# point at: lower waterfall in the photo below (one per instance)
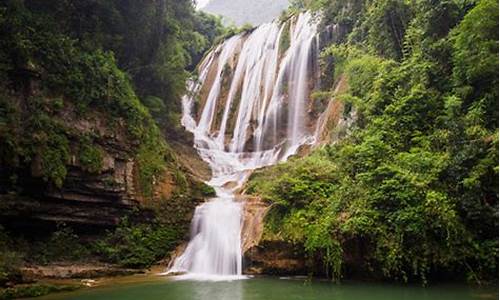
(253, 97)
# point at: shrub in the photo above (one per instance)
(62, 245)
(138, 245)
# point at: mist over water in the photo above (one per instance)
(255, 97)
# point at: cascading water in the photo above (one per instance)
(254, 90)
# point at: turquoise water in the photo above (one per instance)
(271, 289)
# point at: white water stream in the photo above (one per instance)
(254, 99)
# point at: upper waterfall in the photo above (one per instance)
(248, 108)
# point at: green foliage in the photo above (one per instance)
(121, 63)
(88, 79)
(204, 189)
(62, 245)
(47, 145)
(321, 100)
(475, 69)
(383, 27)
(90, 155)
(139, 245)
(234, 30)
(157, 108)
(297, 191)
(154, 42)
(151, 161)
(474, 64)
(134, 245)
(416, 182)
(361, 72)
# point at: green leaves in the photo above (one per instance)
(151, 159)
(479, 28)
(90, 155)
(137, 245)
(46, 146)
(417, 180)
(475, 56)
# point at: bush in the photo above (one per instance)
(138, 245)
(62, 245)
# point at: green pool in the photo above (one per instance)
(162, 288)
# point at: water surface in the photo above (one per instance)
(163, 288)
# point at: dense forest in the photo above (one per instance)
(412, 191)
(128, 59)
(94, 165)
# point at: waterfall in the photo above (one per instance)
(253, 92)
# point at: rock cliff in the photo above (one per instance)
(92, 196)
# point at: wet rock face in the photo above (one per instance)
(85, 199)
(275, 258)
(253, 222)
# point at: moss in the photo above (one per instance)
(320, 101)
(110, 182)
(203, 189)
(180, 179)
(284, 42)
(151, 159)
(90, 155)
(207, 190)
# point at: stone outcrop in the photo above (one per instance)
(98, 199)
(253, 222)
(67, 271)
(265, 256)
(275, 258)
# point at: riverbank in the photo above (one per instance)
(38, 280)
